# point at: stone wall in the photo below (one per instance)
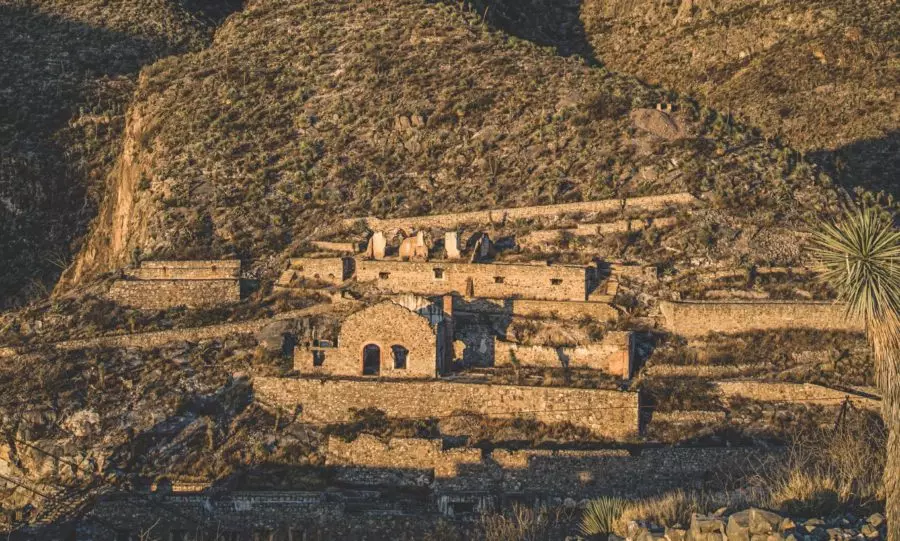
(547, 282)
(607, 206)
(551, 238)
(609, 414)
(613, 355)
(384, 326)
(562, 473)
(164, 294)
(693, 319)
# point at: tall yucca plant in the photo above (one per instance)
(860, 254)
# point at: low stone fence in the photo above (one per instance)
(609, 414)
(551, 238)
(449, 221)
(147, 340)
(692, 319)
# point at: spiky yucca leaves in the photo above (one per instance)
(860, 254)
(600, 515)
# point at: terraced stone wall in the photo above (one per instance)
(694, 319)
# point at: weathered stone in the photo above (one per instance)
(871, 532)
(274, 337)
(738, 528)
(451, 245)
(764, 522)
(876, 520)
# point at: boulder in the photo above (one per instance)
(706, 528)
(657, 123)
(764, 522)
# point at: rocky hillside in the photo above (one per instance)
(822, 75)
(300, 113)
(67, 73)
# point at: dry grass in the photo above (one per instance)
(523, 523)
(829, 469)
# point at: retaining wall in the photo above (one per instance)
(546, 282)
(609, 414)
(449, 221)
(693, 319)
(163, 294)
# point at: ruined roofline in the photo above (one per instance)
(647, 203)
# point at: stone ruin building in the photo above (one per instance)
(427, 316)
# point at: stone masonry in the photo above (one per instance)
(159, 285)
(609, 414)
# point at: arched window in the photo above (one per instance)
(399, 354)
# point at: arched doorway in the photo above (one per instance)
(371, 360)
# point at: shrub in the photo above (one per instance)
(600, 515)
(521, 524)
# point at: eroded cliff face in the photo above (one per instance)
(121, 224)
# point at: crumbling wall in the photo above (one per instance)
(606, 206)
(613, 355)
(609, 414)
(700, 318)
(164, 294)
(549, 282)
(333, 270)
(383, 325)
(186, 270)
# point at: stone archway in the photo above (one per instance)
(371, 360)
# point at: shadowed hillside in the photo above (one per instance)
(66, 74)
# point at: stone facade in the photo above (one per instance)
(547, 282)
(609, 414)
(613, 355)
(387, 339)
(693, 319)
(450, 221)
(159, 285)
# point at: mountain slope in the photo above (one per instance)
(301, 113)
(66, 74)
(821, 74)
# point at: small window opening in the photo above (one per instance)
(400, 354)
(438, 273)
(556, 281)
(384, 275)
(498, 279)
(318, 358)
